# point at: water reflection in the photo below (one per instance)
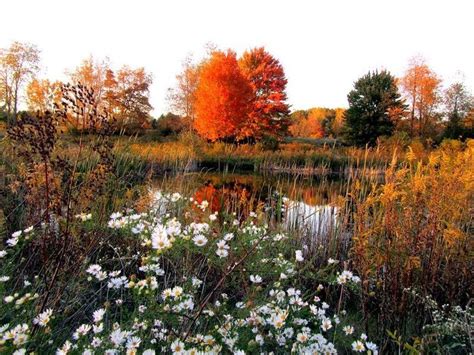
(303, 203)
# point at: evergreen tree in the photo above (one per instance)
(372, 105)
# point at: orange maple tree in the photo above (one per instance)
(223, 97)
(269, 114)
(421, 88)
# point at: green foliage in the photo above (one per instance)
(374, 98)
(170, 124)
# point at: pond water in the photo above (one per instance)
(310, 205)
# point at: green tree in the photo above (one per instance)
(372, 105)
(458, 103)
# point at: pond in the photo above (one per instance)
(310, 205)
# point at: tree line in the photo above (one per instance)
(230, 98)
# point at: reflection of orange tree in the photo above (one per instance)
(229, 197)
(210, 194)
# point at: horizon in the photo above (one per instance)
(321, 61)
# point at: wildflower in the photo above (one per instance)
(96, 342)
(140, 227)
(65, 348)
(81, 331)
(222, 253)
(3, 253)
(259, 339)
(141, 309)
(213, 217)
(348, 330)
(175, 197)
(98, 315)
(302, 337)
(20, 338)
(16, 234)
(344, 277)
(12, 242)
(332, 261)
(94, 269)
(84, 216)
(371, 346)
(21, 351)
(28, 230)
(177, 291)
(177, 347)
(133, 343)
(326, 324)
(4, 278)
(363, 336)
(256, 279)
(118, 337)
(159, 238)
(98, 328)
(117, 282)
(149, 352)
(358, 346)
(196, 282)
(8, 299)
(200, 240)
(43, 318)
(299, 255)
(228, 237)
(222, 249)
(115, 215)
(166, 293)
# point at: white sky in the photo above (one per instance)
(324, 46)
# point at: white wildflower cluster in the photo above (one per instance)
(222, 249)
(96, 271)
(347, 276)
(362, 345)
(173, 302)
(83, 217)
(17, 335)
(43, 318)
(15, 238)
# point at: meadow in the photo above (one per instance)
(129, 245)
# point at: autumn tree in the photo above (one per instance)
(298, 123)
(317, 122)
(126, 94)
(92, 73)
(269, 114)
(223, 97)
(42, 94)
(18, 64)
(337, 124)
(420, 86)
(182, 98)
(458, 102)
(374, 97)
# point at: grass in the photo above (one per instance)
(294, 156)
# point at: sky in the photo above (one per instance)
(324, 46)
